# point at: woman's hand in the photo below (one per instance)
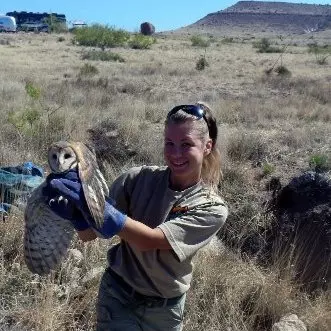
(62, 206)
(70, 188)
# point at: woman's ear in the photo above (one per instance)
(208, 147)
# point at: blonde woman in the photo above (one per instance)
(163, 216)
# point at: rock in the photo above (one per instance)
(289, 322)
(147, 29)
(301, 233)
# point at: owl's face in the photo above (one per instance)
(61, 157)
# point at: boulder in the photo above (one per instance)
(147, 29)
(289, 322)
(300, 238)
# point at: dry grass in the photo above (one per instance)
(264, 119)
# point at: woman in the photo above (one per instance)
(163, 216)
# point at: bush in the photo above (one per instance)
(320, 162)
(36, 125)
(268, 168)
(102, 56)
(282, 71)
(55, 25)
(321, 52)
(88, 70)
(247, 147)
(201, 63)
(264, 46)
(198, 41)
(227, 40)
(100, 36)
(139, 41)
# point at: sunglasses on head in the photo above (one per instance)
(194, 110)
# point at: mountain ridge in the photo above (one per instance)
(271, 17)
(278, 7)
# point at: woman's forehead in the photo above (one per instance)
(180, 129)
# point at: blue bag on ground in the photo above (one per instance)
(16, 185)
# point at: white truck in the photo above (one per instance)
(7, 23)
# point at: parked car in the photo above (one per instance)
(7, 23)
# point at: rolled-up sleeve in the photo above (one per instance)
(189, 232)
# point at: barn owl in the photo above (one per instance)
(48, 236)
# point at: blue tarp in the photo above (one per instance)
(17, 183)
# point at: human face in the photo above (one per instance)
(184, 152)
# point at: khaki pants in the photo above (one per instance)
(118, 310)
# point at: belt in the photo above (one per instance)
(149, 301)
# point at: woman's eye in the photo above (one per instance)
(168, 143)
(187, 145)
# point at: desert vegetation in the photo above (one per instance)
(271, 125)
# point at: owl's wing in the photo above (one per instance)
(93, 183)
(47, 236)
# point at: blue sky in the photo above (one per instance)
(128, 14)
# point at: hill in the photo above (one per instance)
(270, 17)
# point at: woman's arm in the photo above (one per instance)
(142, 236)
(137, 234)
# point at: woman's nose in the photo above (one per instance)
(177, 151)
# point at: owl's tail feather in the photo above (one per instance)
(47, 237)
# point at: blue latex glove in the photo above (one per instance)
(66, 209)
(69, 186)
(63, 207)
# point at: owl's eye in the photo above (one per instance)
(67, 155)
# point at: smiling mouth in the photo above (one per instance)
(178, 165)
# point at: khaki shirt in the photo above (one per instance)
(189, 220)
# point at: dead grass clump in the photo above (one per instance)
(5, 42)
(95, 55)
(99, 83)
(149, 70)
(317, 89)
(246, 147)
(235, 295)
(317, 313)
(88, 70)
(11, 231)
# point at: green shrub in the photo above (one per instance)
(139, 41)
(268, 168)
(100, 36)
(264, 46)
(320, 162)
(198, 41)
(88, 70)
(55, 25)
(32, 91)
(201, 63)
(37, 125)
(102, 56)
